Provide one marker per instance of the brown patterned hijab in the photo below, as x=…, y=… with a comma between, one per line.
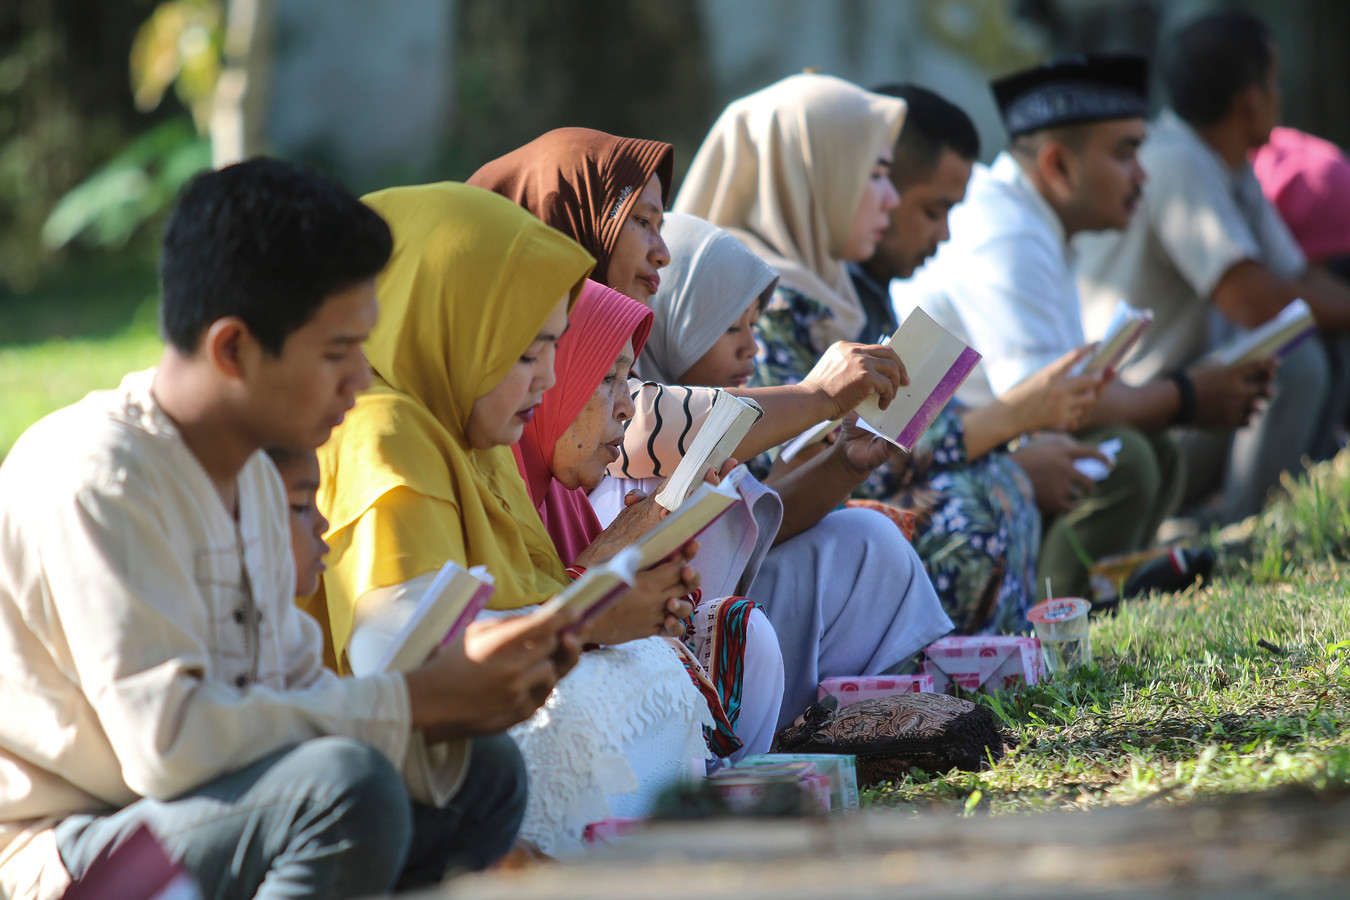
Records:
x=582, y=182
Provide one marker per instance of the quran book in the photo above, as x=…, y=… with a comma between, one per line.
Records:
x=454, y=598
x=1127, y=324
x=812, y=435
x=598, y=587
x=699, y=511
x=1275, y=338
x=722, y=431
x=937, y=363
x=603, y=584
x=137, y=868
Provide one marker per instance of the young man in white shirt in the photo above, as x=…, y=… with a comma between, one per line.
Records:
x=1005, y=282
x=1210, y=256
x=154, y=668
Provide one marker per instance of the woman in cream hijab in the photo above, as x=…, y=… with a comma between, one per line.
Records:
x=799, y=172
x=421, y=471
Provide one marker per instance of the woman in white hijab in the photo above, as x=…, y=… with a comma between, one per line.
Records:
x=798, y=172
x=845, y=592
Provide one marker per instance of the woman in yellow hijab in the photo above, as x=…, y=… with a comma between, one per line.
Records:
x=421, y=471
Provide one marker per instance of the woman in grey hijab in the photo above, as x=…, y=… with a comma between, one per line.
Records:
x=844, y=590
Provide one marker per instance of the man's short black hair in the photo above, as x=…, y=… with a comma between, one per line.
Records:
x=932, y=124
x=266, y=241
x=1213, y=58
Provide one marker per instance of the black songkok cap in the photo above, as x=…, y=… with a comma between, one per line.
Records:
x=1072, y=91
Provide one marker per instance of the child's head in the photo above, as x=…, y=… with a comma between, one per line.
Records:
x=730, y=361
x=300, y=473
x=268, y=280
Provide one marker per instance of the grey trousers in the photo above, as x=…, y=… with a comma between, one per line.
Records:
x=1247, y=463
x=326, y=818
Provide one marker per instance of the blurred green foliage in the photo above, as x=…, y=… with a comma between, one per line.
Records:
x=86, y=167
x=132, y=189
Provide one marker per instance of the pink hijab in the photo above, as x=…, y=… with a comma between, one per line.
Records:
x=600, y=324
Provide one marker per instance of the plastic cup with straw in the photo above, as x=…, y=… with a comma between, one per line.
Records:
x=1061, y=625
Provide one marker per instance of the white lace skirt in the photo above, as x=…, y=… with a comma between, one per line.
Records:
x=617, y=731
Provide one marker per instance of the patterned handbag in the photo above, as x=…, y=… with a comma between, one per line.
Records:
x=891, y=735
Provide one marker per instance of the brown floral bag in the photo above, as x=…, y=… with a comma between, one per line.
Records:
x=891, y=735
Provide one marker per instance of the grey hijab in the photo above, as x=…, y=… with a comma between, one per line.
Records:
x=711, y=281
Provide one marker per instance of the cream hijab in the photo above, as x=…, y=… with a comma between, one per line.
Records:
x=472, y=279
x=711, y=281
x=783, y=170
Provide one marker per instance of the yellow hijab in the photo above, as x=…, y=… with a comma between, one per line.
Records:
x=783, y=170
x=472, y=279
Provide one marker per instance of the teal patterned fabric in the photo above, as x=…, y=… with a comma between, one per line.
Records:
x=977, y=528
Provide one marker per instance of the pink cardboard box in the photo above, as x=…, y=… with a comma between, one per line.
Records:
x=858, y=688
x=996, y=663
x=607, y=831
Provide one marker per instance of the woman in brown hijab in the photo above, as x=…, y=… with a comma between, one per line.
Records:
x=609, y=194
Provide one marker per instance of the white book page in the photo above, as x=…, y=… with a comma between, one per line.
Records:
x=1127, y=324
x=402, y=636
x=600, y=586
x=936, y=361
x=812, y=435
x=1271, y=339
x=680, y=527
x=726, y=425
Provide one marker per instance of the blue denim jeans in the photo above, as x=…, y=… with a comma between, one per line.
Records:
x=327, y=818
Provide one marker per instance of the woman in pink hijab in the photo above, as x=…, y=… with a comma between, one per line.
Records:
x=575, y=434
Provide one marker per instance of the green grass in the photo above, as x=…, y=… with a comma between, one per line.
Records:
x=78, y=333
x=1236, y=687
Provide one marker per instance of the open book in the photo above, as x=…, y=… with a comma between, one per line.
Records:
x=603, y=584
x=720, y=434
x=137, y=868
x=812, y=435
x=937, y=363
x=1277, y=337
x=598, y=587
x=1127, y=324
x=454, y=598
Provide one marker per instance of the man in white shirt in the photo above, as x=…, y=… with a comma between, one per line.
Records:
x=1210, y=256
x=154, y=669
x=1004, y=282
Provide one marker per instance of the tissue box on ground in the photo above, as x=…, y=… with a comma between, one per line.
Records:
x=742, y=789
x=607, y=831
x=840, y=768
x=858, y=688
x=995, y=663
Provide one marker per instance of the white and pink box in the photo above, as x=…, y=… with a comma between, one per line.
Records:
x=742, y=788
x=857, y=688
x=609, y=831
x=989, y=664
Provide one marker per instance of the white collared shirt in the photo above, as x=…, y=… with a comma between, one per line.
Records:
x=1198, y=219
x=149, y=643
x=1003, y=283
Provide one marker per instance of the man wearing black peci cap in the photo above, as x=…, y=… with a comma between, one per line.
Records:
x=1211, y=257
x=1005, y=281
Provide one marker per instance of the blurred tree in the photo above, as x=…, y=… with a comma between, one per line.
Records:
x=634, y=69
x=60, y=112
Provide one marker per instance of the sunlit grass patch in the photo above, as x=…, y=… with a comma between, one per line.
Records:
x=1239, y=686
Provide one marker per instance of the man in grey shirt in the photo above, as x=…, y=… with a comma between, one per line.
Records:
x=1210, y=256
